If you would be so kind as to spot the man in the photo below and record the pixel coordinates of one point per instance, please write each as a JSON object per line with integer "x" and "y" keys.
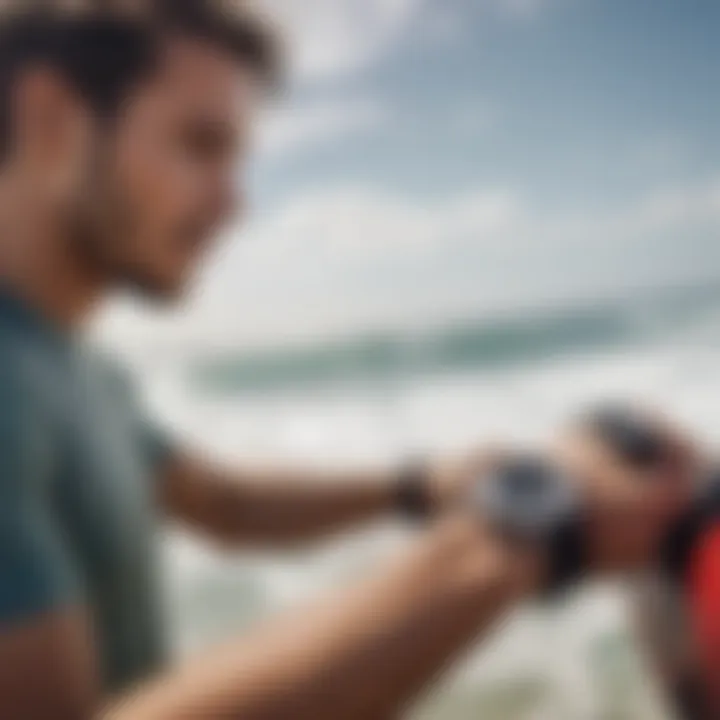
{"x": 121, "y": 127}
{"x": 120, "y": 131}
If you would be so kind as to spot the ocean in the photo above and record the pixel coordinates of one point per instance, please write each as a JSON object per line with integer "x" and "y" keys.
{"x": 385, "y": 395}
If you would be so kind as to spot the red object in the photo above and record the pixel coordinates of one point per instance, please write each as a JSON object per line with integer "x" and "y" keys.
{"x": 704, "y": 580}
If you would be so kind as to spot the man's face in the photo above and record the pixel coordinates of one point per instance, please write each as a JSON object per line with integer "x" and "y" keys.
{"x": 165, "y": 179}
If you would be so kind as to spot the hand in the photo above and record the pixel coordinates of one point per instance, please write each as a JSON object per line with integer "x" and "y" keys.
{"x": 451, "y": 480}
{"x": 527, "y": 502}
{"x": 631, "y": 506}
{"x": 523, "y": 562}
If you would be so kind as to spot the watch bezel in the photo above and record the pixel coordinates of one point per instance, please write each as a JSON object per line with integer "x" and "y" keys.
{"x": 534, "y": 516}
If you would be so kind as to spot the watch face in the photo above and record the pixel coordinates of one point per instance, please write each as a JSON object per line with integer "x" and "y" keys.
{"x": 527, "y": 497}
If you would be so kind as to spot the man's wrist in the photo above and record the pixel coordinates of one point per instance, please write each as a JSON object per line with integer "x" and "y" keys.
{"x": 484, "y": 562}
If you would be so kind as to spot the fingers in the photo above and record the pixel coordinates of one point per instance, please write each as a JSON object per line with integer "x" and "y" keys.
{"x": 453, "y": 480}
{"x": 632, "y": 495}
{"x": 635, "y": 442}
{"x": 618, "y": 456}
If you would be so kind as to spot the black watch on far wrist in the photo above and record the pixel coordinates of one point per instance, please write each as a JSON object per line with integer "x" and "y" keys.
{"x": 413, "y": 492}
{"x": 531, "y": 500}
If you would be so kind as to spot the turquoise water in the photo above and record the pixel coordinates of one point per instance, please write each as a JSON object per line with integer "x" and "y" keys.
{"x": 501, "y": 342}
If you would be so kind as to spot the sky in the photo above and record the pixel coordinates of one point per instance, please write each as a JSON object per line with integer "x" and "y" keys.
{"x": 435, "y": 160}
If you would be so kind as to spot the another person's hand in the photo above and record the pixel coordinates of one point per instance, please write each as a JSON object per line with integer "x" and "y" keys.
{"x": 633, "y": 495}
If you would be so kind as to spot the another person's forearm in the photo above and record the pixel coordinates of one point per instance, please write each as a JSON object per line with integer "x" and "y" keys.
{"x": 276, "y": 508}
{"x": 363, "y": 655}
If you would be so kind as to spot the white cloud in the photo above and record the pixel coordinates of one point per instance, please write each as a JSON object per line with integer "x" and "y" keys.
{"x": 341, "y": 259}
{"x": 302, "y": 127}
{"x": 252, "y": 284}
{"x": 299, "y": 128}
{"x": 679, "y": 207}
{"x": 327, "y": 38}
{"x": 360, "y": 224}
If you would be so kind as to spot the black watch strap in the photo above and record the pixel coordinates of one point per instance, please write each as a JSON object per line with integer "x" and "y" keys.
{"x": 413, "y": 492}
{"x": 568, "y": 557}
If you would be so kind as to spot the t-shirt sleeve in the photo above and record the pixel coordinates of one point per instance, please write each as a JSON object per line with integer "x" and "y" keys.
{"x": 154, "y": 443}
{"x": 37, "y": 574}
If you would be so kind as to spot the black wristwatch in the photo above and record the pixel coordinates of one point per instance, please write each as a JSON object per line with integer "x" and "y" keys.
{"x": 526, "y": 497}
{"x": 414, "y": 497}
{"x": 531, "y": 500}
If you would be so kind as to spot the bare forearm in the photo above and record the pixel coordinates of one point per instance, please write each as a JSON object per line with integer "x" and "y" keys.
{"x": 366, "y": 653}
{"x": 278, "y": 507}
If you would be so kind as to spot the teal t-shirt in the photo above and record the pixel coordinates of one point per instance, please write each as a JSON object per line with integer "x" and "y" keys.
{"x": 78, "y": 519}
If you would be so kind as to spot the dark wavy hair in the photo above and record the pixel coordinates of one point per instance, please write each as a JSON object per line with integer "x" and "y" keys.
{"x": 105, "y": 47}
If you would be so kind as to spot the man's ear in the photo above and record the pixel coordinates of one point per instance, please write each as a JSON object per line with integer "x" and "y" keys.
{"x": 51, "y": 126}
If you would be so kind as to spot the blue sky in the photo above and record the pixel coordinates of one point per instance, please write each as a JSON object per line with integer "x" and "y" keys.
{"x": 436, "y": 159}
{"x": 562, "y": 93}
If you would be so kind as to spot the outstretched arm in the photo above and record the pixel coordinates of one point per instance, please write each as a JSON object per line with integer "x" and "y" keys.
{"x": 290, "y": 507}
{"x": 364, "y": 654}
{"x": 261, "y": 507}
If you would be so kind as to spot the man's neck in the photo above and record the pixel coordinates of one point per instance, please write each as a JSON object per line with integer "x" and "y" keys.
{"x": 41, "y": 263}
